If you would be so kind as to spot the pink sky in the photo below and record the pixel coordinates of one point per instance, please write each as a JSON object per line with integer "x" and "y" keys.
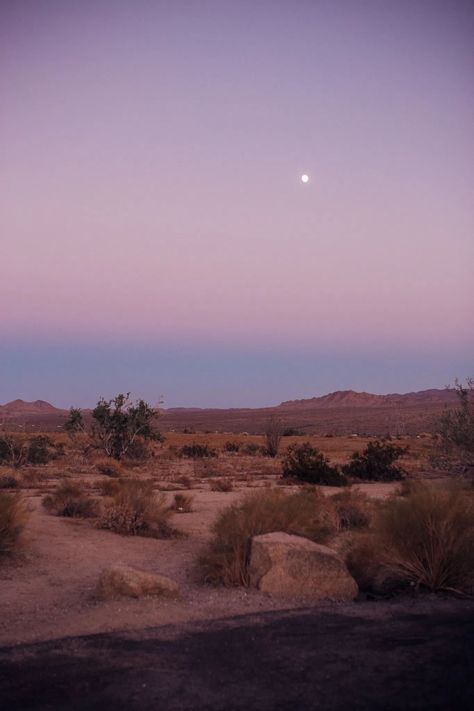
{"x": 151, "y": 156}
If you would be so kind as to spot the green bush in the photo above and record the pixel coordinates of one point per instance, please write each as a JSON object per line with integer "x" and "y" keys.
{"x": 306, "y": 513}
{"x": 376, "y": 462}
{"x": 307, "y": 464}
{"x": 39, "y": 450}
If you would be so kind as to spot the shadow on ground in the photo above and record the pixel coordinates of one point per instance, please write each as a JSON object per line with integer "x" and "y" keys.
{"x": 274, "y": 662}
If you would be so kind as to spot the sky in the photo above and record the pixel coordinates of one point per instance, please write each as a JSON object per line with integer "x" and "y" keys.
{"x": 155, "y": 235}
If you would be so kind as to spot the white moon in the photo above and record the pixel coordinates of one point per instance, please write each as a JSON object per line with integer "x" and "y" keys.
{"x": 304, "y": 178}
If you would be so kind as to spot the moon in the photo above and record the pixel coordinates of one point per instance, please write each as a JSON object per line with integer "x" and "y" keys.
{"x": 304, "y": 178}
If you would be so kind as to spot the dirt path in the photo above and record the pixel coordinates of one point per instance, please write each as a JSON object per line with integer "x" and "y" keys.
{"x": 367, "y": 656}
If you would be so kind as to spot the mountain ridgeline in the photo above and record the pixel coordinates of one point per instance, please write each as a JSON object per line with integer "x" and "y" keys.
{"x": 339, "y": 413}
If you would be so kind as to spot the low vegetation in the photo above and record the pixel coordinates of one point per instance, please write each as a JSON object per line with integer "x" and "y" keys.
{"x": 307, "y": 513}
{"x": 69, "y": 499}
{"x": 224, "y": 485}
{"x": 134, "y": 509}
{"x": 109, "y": 467}
{"x": 16, "y": 451}
{"x": 198, "y": 451}
{"x": 377, "y": 462}
{"x": 13, "y": 518}
{"x": 307, "y": 464}
{"x": 119, "y": 427}
{"x": 183, "y": 503}
{"x": 354, "y": 509}
{"x": 424, "y": 539}
{"x": 456, "y": 426}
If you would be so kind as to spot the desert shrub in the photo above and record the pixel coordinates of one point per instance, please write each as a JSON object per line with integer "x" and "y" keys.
{"x": 231, "y": 446}
{"x": 183, "y": 503}
{"x": 109, "y": 467}
{"x": 13, "y": 451}
{"x": 197, "y": 451}
{"x": 306, "y": 513}
{"x": 39, "y": 450}
{"x": 292, "y": 432}
{"x": 273, "y": 434}
{"x": 305, "y": 463}
{"x": 376, "y": 462}
{"x": 425, "y": 539}
{"x": 135, "y": 510}
{"x": 13, "y": 517}
{"x": 353, "y": 508}
{"x": 251, "y": 449}
{"x": 70, "y": 500}
{"x": 118, "y": 425}
{"x": 221, "y": 485}
{"x": 8, "y": 481}
{"x": 456, "y": 426}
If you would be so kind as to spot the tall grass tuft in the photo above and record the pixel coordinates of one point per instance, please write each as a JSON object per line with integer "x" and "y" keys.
{"x": 307, "y": 513}
{"x": 425, "y": 538}
{"x": 13, "y": 517}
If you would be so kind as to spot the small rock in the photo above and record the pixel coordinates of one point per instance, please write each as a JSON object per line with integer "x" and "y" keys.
{"x": 121, "y": 581}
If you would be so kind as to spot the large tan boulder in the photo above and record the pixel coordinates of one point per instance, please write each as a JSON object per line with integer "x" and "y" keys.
{"x": 121, "y": 581}
{"x": 291, "y": 566}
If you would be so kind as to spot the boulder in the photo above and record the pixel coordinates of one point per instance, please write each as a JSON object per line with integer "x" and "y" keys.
{"x": 120, "y": 581}
{"x": 295, "y": 567}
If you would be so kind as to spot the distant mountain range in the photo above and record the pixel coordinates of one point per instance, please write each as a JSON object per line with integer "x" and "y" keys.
{"x": 340, "y": 412}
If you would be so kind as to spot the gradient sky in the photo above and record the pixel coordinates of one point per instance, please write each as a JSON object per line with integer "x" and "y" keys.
{"x": 154, "y": 232}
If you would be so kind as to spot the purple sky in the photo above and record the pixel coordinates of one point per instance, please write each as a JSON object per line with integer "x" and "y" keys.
{"x": 155, "y": 234}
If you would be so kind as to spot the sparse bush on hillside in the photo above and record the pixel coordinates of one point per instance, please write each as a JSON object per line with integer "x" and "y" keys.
{"x": 69, "y": 499}
{"x": 306, "y": 513}
{"x": 16, "y": 451}
{"x": 307, "y": 464}
{"x": 135, "y": 510}
{"x": 198, "y": 451}
{"x": 13, "y": 518}
{"x": 376, "y": 462}
{"x": 425, "y": 539}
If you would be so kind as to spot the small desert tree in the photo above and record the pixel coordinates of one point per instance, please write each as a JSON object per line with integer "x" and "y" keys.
{"x": 117, "y": 424}
{"x": 456, "y": 427}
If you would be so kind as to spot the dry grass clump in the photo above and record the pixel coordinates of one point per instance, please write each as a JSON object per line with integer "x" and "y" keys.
{"x": 69, "y": 499}
{"x": 183, "y": 503}
{"x": 425, "y": 539}
{"x": 109, "y": 467}
{"x": 354, "y": 509}
{"x": 185, "y": 481}
{"x": 13, "y": 517}
{"x": 224, "y": 485}
{"x": 135, "y": 510}
{"x": 307, "y": 513}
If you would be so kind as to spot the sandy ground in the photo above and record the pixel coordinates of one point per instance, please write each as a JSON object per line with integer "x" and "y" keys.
{"x": 49, "y": 592}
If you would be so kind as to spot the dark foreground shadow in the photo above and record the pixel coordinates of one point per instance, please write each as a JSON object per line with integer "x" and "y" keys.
{"x": 278, "y": 662}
